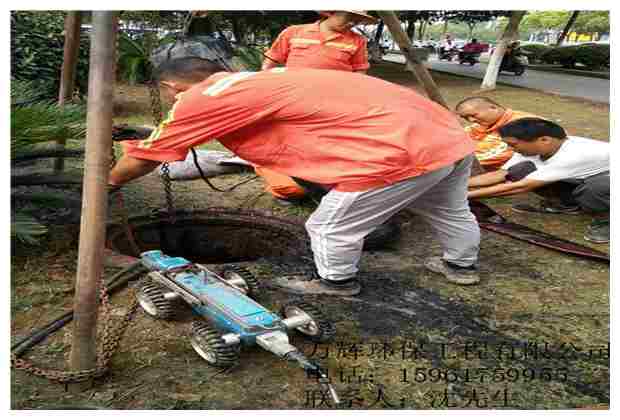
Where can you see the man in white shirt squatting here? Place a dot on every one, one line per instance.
(570, 173)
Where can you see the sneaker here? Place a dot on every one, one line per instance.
(454, 274)
(545, 207)
(302, 285)
(598, 232)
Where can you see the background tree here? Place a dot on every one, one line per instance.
(592, 21)
(411, 17)
(471, 18)
(510, 34)
(37, 45)
(546, 22)
(261, 26)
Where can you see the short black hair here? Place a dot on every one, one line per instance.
(478, 99)
(187, 69)
(474, 40)
(529, 129)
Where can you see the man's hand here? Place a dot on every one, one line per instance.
(507, 188)
(269, 63)
(129, 168)
(113, 189)
(486, 179)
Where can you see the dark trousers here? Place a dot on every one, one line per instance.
(591, 194)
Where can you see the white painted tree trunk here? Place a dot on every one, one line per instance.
(510, 34)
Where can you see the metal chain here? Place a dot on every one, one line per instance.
(165, 179)
(110, 341)
(165, 169)
(110, 338)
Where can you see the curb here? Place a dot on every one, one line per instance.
(583, 73)
(511, 85)
(522, 87)
(554, 69)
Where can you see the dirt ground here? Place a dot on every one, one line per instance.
(533, 334)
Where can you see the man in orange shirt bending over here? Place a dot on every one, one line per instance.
(326, 44)
(379, 148)
(488, 117)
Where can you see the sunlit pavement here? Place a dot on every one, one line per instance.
(562, 84)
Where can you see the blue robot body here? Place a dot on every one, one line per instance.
(225, 306)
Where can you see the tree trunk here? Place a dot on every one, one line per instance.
(379, 32)
(375, 52)
(421, 28)
(416, 66)
(445, 29)
(510, 33)
(472, 26)
(411, 29)
(567, 27)
(421, 73)
(94, 197)
(238, 31)
(73, 22)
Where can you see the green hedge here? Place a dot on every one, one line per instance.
(37, 45)
(593, 56)
(535, 52)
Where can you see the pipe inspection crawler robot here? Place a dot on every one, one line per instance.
(229, 317)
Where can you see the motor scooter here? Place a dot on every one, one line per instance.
(448, 53)
(470, 58)
(517, 65)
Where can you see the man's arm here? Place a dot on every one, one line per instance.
(278, 52)
(507, 188)
(489, 178)
(268, 64)
(129, 168)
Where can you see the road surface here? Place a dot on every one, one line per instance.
(589, 88)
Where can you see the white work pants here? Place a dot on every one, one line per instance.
(337, 228)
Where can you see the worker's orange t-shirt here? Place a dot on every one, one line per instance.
(303, 46)
(346, 130)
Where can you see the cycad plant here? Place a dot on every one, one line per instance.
(249, 58)
(34, 122)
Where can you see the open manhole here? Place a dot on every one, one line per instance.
(213, 236)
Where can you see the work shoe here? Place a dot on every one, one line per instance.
(598, 232)
(315, 285)
(454, 274)
(546, 207)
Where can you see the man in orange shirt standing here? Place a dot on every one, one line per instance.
(326, 44)
(377, 146)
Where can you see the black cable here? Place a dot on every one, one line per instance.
(116, 282)
(266, 56)
(205, 179)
